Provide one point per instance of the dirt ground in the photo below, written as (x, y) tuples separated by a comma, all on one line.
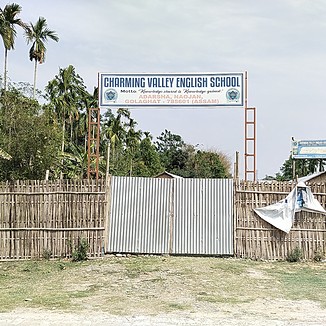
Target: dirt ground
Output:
[(159, 291), (261, 312)]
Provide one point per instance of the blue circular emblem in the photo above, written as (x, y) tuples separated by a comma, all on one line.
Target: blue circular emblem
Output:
[(233, 95), (110, 95)]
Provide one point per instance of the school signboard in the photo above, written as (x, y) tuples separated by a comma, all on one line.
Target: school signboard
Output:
[(309, 149), (171, 89)]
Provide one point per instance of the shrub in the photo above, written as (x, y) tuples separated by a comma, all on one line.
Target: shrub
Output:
[(47, 253), (319, 255), (80, 252), (295, 255)]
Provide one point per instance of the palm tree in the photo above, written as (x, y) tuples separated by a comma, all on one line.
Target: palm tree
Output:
[(67, 93), (38, 35), (114, 132), (8, 21), (133, 139)]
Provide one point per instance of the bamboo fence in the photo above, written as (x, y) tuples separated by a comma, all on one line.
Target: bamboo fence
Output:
[(257, 239), (40, 218), (50, 217)]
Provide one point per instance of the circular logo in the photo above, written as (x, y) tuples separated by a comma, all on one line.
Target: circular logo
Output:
[(110, 95), (233, 95)]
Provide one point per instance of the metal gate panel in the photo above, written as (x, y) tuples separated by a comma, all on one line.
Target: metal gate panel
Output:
[(140, 215), (203, 217)]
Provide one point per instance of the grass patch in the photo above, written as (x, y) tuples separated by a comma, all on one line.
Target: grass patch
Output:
[(220, 299), (145, 284), (32, 284), (172, 306), (302, 281), (136, 266), (90, 290)]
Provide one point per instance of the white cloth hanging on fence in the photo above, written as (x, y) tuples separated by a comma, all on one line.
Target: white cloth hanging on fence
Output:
[(281, 214)]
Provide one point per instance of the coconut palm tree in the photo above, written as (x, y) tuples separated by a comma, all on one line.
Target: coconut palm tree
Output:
[(38, 35), (8, 21)]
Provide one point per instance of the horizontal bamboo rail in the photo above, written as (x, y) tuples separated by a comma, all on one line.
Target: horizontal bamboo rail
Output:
[(271, 192), (43, 193), (53, 229), (39, 216)]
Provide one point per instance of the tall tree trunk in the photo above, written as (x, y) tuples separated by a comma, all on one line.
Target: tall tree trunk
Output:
[(35, 71), (71, 128), (5, 71), (130, 171), (63, 143)]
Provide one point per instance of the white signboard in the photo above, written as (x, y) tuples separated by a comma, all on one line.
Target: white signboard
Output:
[(171, 89), (309, 149)]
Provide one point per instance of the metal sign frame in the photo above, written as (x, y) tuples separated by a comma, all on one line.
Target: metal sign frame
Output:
[(250, 123), (308, 149)]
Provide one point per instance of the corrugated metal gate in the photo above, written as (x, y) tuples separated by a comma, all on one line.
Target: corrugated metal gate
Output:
[(203, 217), (176, 216)]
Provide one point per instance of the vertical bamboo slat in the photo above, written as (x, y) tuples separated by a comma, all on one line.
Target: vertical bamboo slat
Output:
[(50, 216), (308, 231), (38, 217)]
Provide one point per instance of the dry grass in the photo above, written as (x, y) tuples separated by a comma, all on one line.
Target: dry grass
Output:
[(155, 284)]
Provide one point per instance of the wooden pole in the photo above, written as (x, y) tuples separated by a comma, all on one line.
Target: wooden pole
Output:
[(293, 169), (236, 166), (107, 212), (108, 160)]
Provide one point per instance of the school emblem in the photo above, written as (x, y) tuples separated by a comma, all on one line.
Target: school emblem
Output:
[(233, 95), (110, 95)]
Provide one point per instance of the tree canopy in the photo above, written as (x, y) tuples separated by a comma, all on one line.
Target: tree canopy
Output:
[(302, 167), (51, 138), (29, 135)]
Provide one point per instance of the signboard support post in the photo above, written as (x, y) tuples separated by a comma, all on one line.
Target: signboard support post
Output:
[(130, 90), (250, 143), (250, 136)]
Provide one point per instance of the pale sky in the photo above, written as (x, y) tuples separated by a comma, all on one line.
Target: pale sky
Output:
[(280, 43)]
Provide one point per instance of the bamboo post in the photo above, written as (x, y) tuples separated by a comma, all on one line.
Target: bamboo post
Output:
[(108, 160), (107, 212)]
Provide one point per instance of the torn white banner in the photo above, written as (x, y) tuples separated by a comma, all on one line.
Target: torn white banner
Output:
[(281, 214)]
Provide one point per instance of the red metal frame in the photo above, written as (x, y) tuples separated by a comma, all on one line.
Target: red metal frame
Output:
[(250, 143)]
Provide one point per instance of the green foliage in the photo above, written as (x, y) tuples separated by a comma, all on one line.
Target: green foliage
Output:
[(74, 162), (294, 255), (205, 164), (53, 137), (303, 167), (4, 155), (81, 249), (38, 35), (33, 134), (68, 101), (132, 152), (185, 160), (319, 255), (47, 253), (171, 149), (8, 22), (147, 160), (28, 135)]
